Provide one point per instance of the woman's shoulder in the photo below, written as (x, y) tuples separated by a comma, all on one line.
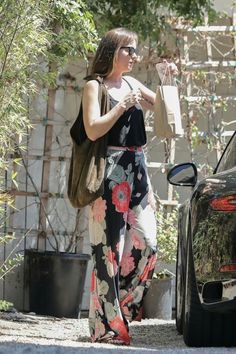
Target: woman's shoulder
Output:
[(91, 86), (132, 81), (91, 83)]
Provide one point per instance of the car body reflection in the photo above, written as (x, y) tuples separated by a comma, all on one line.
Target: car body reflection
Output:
[(206, 262)]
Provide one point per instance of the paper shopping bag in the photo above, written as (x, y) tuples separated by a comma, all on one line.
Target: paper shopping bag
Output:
[(167, 115)]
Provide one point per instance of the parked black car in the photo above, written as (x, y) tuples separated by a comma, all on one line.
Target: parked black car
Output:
[(206, 260)]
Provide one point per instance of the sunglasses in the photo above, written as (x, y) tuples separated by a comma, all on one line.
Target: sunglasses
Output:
[(131, 50)]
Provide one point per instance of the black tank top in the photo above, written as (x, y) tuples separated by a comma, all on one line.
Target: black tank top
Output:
[(129, 130)]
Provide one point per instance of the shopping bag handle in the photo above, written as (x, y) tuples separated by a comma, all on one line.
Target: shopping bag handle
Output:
[(167, 74)]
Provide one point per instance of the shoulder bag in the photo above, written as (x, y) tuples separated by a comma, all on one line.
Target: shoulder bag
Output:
[(88, 159)]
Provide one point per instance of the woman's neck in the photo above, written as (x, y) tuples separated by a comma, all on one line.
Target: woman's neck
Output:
[(114, 80)]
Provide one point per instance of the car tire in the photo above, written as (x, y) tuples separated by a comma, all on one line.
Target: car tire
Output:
[(201, 327), (179, 288)]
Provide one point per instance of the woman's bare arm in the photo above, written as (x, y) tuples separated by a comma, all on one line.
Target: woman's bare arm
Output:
[(148, 96), (95, 124)]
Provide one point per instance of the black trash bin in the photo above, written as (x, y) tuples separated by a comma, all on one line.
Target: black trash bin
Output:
[(55, 282)]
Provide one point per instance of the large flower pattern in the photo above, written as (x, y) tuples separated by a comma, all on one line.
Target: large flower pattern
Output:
[(99, 210), (127, 264), (121, 196), (124, 257), (131, 217), (137, 239), (110, 261)]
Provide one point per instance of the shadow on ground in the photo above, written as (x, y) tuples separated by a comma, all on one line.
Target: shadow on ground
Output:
[(155, 334)]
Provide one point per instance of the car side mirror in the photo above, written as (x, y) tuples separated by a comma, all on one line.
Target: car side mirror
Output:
[(184, 174)]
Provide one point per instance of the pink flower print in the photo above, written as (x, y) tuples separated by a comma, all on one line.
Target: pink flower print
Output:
[(93, 281), (127, 299), (99, 329), (137, 240), (121, 196), (123, 293), (149, 267), (144, 276), (96, 303), (111, 256), (131, 218), (99, 209), (152, 261), (118, 326), (125, 217), (128, 246), (115, 266), (110, 261), (127, 264)]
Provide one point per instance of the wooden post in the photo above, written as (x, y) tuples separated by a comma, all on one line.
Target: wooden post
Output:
[(42, 237), (212, 113)]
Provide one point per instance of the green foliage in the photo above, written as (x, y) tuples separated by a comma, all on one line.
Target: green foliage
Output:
[(141, 16), (5, 305), (147, 17), (167, 233), (167, 229), (33, 34), (22, 41), (14, 258), (193, 10), (10, 264), (73, 29)]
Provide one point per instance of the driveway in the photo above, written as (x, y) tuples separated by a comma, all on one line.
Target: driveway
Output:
[(22, 333)]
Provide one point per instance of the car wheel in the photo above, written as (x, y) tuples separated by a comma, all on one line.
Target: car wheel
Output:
[(179, 289), (201, 327), (193, 312)]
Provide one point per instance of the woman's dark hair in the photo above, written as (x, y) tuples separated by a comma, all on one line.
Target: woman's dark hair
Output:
[(106, 52)]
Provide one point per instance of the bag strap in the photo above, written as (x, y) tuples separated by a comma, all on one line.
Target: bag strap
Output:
[(77, 131), (127, 83), (99, 79)]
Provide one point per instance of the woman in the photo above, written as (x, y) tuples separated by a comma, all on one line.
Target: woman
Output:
[(122, 222)]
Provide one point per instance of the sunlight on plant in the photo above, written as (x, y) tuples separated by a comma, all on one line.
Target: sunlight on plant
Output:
[(33, 34), (5, 305), (167, 233), (167, 229), (14, 258)]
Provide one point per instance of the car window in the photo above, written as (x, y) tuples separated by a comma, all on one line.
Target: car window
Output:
[(228, 159)]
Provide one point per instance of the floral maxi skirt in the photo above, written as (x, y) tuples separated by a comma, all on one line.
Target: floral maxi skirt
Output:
[(122, 227)]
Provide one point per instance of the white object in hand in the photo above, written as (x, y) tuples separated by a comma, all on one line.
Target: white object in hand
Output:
[(166, 70)]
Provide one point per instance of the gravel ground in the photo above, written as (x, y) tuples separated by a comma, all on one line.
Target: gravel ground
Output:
[(22, 333)]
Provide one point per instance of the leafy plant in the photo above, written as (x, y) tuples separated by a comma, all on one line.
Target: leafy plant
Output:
[(5, 305), (13, 260), (147, 17), (73, 30), (167, 229), (33, 33)]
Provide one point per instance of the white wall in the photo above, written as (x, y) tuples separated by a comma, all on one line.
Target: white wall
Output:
[(223, 5)]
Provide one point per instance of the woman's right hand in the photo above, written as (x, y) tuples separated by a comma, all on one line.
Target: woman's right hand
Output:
[(167, 71), (131, 99)]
